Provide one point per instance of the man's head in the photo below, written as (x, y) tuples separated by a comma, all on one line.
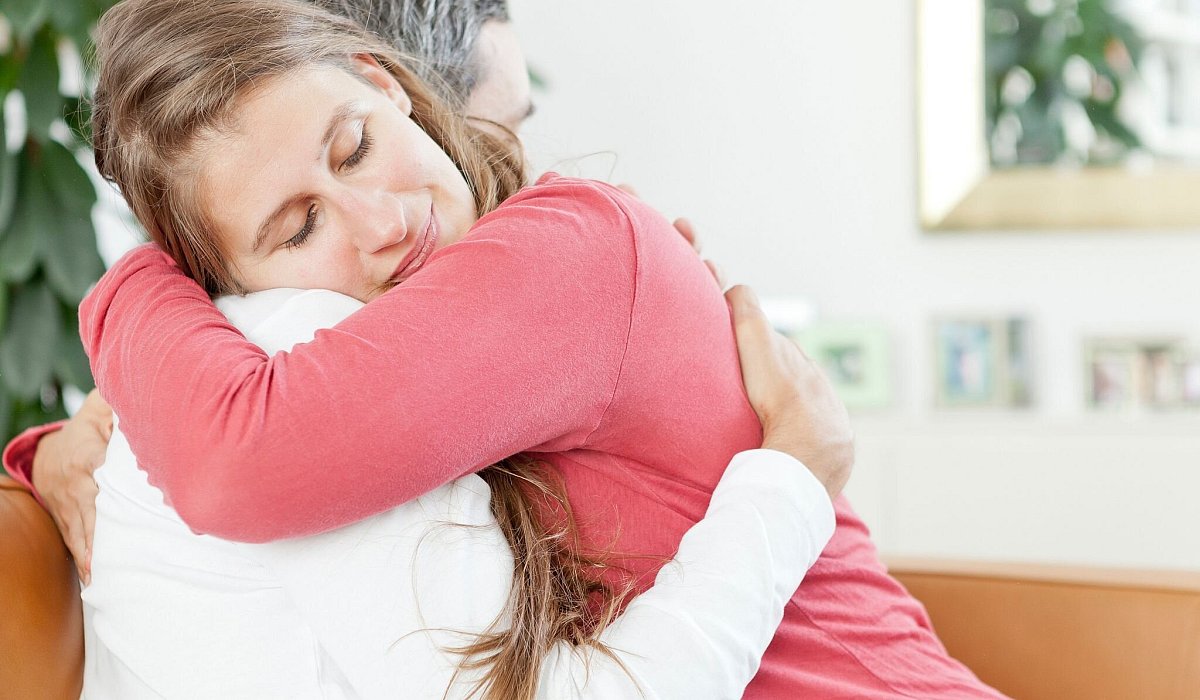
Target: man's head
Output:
[(465, 48)]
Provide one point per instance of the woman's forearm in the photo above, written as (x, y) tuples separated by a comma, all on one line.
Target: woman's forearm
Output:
[(20, 452), (488, 351)]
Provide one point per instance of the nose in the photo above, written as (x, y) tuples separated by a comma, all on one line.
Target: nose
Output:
[(375, 220)]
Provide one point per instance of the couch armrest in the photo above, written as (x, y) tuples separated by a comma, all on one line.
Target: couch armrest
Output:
[(1063, 632), (41, 618)]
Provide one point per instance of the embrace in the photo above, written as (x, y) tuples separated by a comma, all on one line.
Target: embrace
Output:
[(391, 420)]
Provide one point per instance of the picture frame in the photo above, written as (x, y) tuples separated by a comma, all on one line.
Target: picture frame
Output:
[(982, 362), (856, 356), (1189, 379), (1137, 374), (961, 190), (1111, 374)]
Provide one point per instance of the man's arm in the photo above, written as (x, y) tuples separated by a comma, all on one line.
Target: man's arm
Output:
[(701, 630)]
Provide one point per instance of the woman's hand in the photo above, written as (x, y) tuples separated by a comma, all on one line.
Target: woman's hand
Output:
[(800, 413), (62, 474)]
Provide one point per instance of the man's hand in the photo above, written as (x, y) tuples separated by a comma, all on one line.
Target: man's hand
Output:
[(62, 474), (800, 413), (682, 225)]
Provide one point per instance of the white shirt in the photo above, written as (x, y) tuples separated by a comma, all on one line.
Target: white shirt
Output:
[(369, 610)]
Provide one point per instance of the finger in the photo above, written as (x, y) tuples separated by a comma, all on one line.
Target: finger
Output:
[(628, 189), (87, 517), (717, 273), (745, 304), (751, 327), (799, 347), (688, 231), (75, 544), (95, 460)]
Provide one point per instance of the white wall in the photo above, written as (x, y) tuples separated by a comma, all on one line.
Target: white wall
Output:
[(785, 130)]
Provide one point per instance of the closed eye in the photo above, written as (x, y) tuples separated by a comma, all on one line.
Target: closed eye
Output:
[(310, 222), (364, 146)]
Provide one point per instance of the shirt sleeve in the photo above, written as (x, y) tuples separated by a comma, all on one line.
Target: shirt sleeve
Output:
[(509, 340), (389, 596), (19, 453), (702, 629)]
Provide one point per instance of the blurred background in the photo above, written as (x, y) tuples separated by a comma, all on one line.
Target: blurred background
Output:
[(1003, 380), (1023, 387)]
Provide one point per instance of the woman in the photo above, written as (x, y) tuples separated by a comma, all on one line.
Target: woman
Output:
[(111, 598), (474, 356)]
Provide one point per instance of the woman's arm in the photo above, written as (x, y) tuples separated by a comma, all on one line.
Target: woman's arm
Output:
[(507, 341), (20, 453), (56, 461)]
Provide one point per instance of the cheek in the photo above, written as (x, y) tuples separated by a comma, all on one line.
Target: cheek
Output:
[(316, 265)]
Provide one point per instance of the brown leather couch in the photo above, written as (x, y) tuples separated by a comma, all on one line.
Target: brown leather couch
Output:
[(1033, 632), (41, 618), (1065, 633)]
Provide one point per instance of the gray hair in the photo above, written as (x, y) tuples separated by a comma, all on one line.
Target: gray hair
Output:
[(439, 34)]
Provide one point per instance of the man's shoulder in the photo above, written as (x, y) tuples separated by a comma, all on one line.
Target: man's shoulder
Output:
[(277, 319), (567, 204)]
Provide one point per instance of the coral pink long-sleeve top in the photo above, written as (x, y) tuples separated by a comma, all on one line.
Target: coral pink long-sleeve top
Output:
[(572, 323)]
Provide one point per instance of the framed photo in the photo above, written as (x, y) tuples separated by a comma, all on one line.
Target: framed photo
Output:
[(1189, 379), (982, 362), (857, 358), (1134, 374), (1111, 369)]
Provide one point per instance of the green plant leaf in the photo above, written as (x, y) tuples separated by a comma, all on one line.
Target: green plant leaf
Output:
[(6, 431), (3, 310), (68, 245), (31, 412), (71, 364), (26, 16), (69, 182), (68, 16), (8, 175), (69, 255), (27, 345), (78, 114), (34, 216), (39, 84), (87, 13)]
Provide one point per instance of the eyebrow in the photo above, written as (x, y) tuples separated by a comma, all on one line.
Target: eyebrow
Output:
[(341, 115)]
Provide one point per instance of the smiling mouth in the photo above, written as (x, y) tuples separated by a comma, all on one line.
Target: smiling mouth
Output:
[(420, 251)]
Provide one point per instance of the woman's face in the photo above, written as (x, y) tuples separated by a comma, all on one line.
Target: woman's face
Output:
[(326, 183)]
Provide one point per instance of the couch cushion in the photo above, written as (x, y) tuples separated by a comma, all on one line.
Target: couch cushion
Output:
[(41, 619), (1065, 633)]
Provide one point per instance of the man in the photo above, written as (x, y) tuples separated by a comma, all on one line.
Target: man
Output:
[(851, 631)]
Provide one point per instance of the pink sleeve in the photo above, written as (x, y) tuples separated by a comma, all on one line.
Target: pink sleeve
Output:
[(18, 455), (510, 340)]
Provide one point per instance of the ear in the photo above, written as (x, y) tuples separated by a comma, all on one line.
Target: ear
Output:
[(368, 67)]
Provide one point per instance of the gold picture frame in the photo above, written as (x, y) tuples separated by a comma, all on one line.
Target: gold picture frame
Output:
[(958, 190)]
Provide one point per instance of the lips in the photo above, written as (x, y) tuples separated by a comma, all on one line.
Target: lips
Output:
[(426, 241)]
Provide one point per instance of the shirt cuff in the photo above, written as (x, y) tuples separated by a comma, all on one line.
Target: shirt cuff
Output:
[(788, 478), (18, 455)]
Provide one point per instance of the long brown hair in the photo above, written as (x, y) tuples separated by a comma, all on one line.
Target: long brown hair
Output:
[(171, 75)]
